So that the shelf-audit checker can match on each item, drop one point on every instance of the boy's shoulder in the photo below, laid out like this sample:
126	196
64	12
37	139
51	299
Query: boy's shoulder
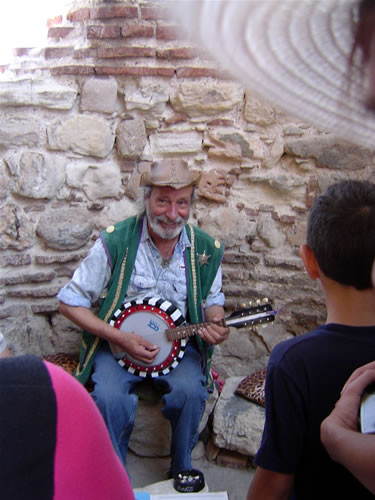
326	338
299	343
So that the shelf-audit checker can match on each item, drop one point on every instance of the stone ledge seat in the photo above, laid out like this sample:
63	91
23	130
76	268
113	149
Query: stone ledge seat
152	432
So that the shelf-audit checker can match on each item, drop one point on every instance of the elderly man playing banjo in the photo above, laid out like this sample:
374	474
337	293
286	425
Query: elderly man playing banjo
155	270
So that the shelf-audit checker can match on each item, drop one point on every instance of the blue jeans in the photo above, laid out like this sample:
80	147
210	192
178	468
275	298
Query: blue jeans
185	397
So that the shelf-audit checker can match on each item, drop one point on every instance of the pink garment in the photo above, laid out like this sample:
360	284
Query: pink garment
86	466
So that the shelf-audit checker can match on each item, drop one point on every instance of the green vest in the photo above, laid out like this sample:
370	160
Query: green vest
121	241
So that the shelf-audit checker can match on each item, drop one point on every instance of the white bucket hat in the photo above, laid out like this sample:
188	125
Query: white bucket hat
292	53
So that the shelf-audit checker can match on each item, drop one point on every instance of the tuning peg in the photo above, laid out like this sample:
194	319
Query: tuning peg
258	301
250	302
265	300
243	305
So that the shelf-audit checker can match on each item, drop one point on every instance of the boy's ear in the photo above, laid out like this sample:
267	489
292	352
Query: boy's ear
309	261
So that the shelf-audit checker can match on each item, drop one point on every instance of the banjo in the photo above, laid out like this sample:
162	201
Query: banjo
161	323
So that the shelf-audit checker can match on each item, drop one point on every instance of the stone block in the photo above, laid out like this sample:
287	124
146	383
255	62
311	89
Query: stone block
238	423
330	152
29	92
65	229
97	181
17	232
212	451
164	143
259	112
146	96
131	138
151	435
229	458
196	99
17	130
99	94
226	224
17	279
35	175
15	260
82	134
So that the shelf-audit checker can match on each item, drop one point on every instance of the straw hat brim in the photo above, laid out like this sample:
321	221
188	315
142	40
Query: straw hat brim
146	180
291	53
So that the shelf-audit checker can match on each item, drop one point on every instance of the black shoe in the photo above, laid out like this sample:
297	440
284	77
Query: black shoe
189	481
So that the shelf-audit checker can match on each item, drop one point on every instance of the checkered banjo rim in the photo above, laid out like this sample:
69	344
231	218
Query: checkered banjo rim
171	315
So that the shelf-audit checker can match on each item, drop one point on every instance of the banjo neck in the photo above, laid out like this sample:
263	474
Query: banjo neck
245	317
183	332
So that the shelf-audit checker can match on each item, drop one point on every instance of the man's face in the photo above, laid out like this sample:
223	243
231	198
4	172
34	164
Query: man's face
168	210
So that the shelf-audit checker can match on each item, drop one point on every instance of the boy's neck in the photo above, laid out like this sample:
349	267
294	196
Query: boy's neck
348	306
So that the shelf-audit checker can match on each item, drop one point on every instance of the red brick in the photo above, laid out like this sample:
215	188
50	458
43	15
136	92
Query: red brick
59	32
110	12
155	13
197	73
170	32
84	53
103	31
137	30
53	21
116	52
134	71
79	15
21	51
58	52
179	53
221	122
73	70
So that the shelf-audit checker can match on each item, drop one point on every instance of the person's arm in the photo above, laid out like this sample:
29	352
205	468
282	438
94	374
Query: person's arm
84	289
130	342
268	485
214	312
339	431
214	333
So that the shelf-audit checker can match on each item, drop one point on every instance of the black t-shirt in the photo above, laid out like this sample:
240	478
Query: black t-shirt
304	379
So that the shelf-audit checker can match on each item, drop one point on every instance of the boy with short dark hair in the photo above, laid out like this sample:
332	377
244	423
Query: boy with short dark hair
306	374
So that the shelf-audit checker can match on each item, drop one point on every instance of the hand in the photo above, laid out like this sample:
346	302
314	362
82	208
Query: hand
138	347
213	333
340	434
345	413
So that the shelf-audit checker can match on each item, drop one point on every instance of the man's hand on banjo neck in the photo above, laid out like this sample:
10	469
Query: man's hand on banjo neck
214	333
133	344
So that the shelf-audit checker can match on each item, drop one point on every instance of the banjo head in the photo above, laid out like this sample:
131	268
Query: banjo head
150	318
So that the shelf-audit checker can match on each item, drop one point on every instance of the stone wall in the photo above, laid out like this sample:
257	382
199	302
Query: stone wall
116	87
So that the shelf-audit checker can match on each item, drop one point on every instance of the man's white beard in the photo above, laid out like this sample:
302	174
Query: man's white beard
165	233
